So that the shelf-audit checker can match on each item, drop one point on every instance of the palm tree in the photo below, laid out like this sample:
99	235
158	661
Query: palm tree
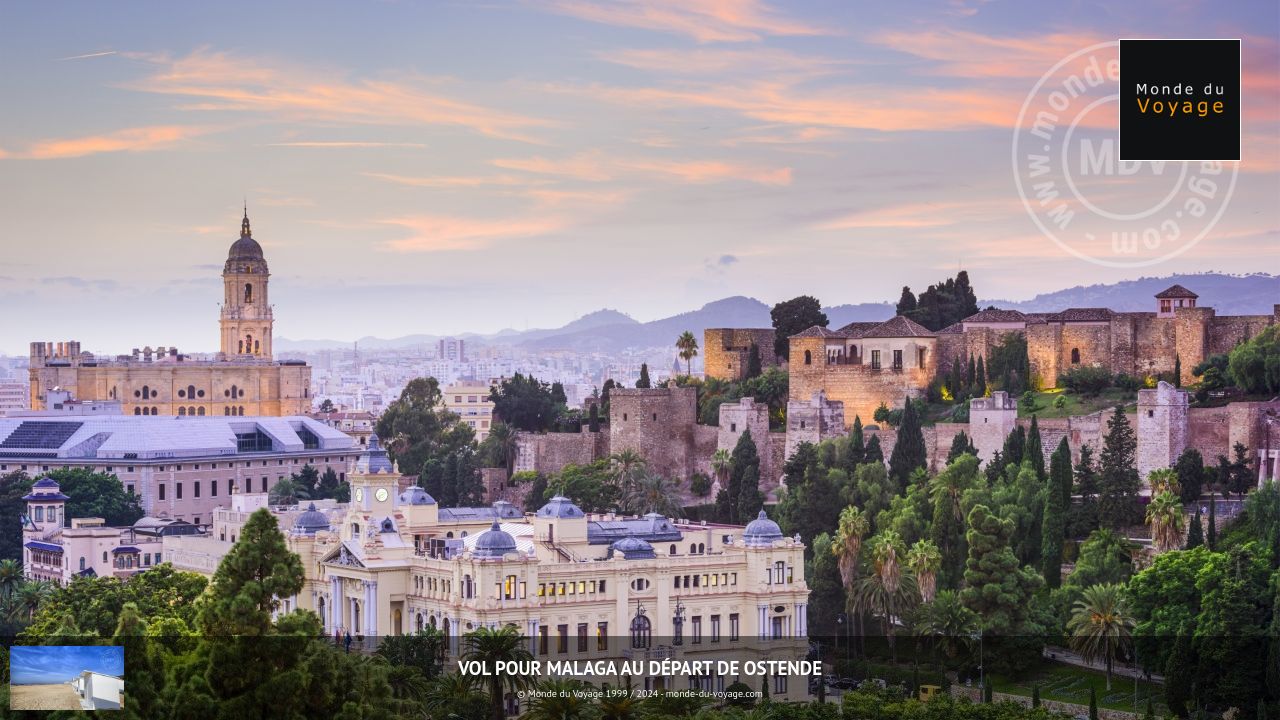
1167	521
652	493
924	559
721	463
848	542
618	708
29	597
1100	625
626	465
688	346
559	699
888	591
491	646
450	691
948	621
504	439
1164	479
10	577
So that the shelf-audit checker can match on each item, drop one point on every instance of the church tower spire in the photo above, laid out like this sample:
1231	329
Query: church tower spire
246	313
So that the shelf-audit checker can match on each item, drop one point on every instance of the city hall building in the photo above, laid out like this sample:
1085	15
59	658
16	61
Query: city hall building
578	586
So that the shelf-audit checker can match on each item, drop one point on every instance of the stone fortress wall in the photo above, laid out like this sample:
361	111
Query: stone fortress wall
725	351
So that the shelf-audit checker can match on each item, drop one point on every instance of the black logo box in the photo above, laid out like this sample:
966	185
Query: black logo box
1186	68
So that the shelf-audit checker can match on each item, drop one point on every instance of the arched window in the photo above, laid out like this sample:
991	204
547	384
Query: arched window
182	411
240	348
191	411
248	342
808	358
82	563
137	411
673	550
1075	356
468	587
257	347
104	556
419	623
200	411
191	391
248	292
146	392
702	548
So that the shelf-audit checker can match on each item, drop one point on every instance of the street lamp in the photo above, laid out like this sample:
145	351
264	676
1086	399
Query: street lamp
678	624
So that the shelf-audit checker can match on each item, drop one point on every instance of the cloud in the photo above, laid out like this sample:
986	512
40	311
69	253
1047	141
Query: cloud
886	108
439	233
721	61
926	215
960	53
726	260
454	181
88	55
298	94
345	144
595	166
703	20
140	139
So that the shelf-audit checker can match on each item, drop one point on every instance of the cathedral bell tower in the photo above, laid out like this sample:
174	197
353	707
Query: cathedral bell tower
246	310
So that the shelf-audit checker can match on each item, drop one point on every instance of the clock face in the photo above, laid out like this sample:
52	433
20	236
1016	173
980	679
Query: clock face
381	494
359	494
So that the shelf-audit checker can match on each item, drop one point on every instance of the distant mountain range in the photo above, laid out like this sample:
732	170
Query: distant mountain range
611	331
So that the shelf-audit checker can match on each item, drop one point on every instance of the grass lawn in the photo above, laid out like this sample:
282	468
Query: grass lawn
1070	683
1076	404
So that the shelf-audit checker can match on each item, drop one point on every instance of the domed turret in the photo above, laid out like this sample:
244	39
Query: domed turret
494	543
761	532
416	496
560	507
374	458
633	548
311	522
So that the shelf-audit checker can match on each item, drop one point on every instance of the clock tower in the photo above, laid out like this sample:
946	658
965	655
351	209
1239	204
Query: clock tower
246	311
374	483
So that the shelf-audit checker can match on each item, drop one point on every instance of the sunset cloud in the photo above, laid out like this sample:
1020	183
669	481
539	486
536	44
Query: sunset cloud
141	139
222	81
346	144
702	20
440	233
594	166
965	54
721	61
453	181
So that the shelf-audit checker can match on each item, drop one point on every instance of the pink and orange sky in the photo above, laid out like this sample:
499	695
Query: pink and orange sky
452	167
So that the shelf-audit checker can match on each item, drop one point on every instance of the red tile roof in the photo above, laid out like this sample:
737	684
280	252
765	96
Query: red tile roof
996	315
899	327
1176	291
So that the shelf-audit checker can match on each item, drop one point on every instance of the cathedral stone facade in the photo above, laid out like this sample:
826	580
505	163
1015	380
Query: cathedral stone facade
241	379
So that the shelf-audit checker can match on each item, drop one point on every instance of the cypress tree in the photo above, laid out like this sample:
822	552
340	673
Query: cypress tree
744	457
857	447
751	501
593	418
1195	533
1118	481
1211	537
1055	515
1034	450
960	445
1015	447
1177	371
754	365
971	374
909	451
994	469
643	382
874	453
956	382
980	378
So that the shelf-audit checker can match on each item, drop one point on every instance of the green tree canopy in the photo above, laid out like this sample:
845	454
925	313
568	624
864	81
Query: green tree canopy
793	316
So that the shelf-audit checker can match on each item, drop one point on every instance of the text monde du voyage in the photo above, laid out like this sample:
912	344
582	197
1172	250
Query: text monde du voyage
639	668
1178	99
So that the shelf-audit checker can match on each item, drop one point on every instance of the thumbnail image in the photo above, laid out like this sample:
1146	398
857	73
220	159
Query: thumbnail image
72	677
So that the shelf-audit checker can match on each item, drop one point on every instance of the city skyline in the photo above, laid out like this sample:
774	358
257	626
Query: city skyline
428	167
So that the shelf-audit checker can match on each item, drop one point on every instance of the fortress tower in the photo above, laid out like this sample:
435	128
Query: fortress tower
1162	428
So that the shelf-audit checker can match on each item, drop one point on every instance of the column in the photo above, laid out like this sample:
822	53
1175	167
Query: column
453	636
335	604
532	626
762	620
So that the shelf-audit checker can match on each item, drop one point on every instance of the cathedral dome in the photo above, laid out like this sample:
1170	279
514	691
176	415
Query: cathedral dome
246	248
560	507
494	543
761	532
